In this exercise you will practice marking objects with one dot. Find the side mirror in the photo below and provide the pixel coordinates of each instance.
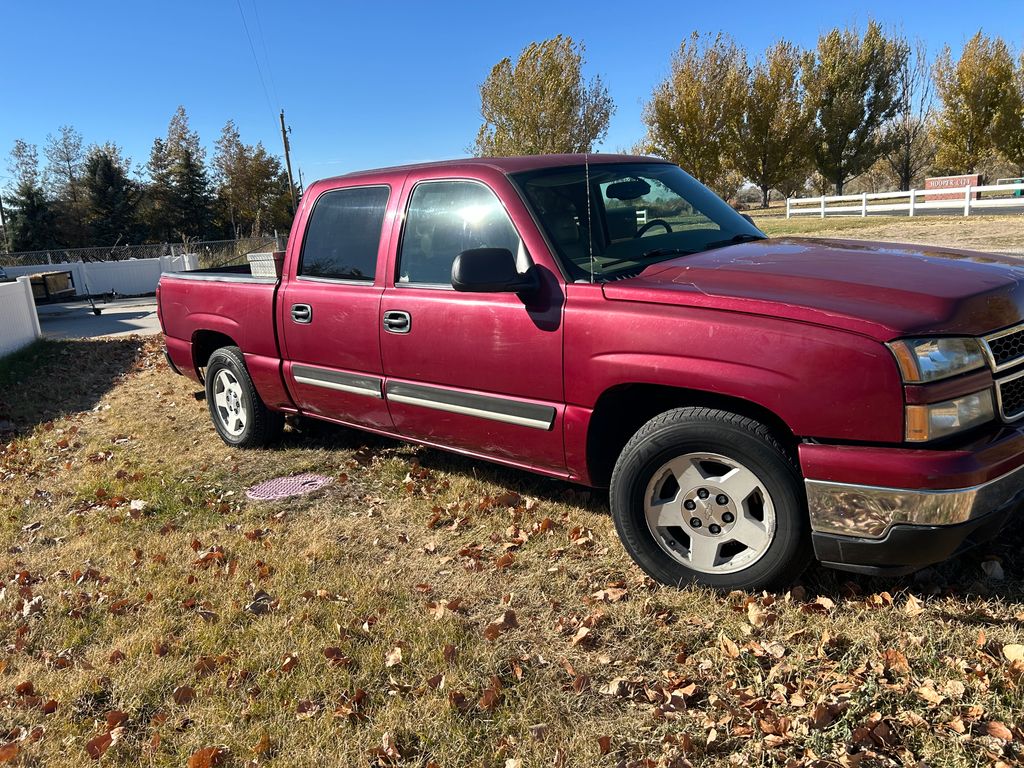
(491, 270)
(749, 218)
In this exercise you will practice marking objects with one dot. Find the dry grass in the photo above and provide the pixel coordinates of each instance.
(106, 609)
(983, 233)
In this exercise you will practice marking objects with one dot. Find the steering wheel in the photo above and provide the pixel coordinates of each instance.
(652, 223)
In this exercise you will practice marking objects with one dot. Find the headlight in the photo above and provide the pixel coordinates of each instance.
(928, 422)
(924, 360)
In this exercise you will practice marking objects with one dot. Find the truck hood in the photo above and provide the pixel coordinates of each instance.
(884, 290)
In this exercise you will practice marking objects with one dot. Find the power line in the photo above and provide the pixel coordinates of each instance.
(255, 58)
(266, 52)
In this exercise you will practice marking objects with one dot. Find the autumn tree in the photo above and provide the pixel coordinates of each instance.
(65, 158)
(252, 187)
(977, 94)
(851, 83)
(693, 115)
(1009, 126)
(909, 149)
(772, 147)
(541, 104)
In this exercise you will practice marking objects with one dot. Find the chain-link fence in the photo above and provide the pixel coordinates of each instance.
(212, 253)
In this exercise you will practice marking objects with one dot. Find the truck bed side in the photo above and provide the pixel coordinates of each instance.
(198, 310)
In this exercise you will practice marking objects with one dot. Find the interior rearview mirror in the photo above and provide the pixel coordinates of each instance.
(491, 270)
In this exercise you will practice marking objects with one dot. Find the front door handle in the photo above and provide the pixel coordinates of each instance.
(397, 321)
(302, 313)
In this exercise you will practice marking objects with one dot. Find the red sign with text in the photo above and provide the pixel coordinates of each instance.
(953, 182)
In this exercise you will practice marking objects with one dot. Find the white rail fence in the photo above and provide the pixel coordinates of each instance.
(19, 323)
(131, 277)
(966, 199)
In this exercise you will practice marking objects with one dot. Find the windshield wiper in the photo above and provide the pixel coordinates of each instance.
(654, 253)
(743, 237)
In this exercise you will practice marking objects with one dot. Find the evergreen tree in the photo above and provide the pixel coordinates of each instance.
(178, 201)
(191, 202)
(111, 198)
(32, 221)
(65, 161)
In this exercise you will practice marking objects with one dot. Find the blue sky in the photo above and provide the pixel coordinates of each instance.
(366, 84)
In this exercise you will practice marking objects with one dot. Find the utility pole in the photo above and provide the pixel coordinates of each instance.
(288, 161)
(3, 225)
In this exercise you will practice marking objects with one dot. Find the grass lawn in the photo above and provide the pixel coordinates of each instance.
(428, 610)
(992, 233)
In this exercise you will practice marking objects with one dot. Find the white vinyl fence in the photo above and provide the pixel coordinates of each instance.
(965, 199)
(131, 277)
(19, 323)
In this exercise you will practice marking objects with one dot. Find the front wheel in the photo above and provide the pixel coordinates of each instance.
(703, 496)
(241, 418)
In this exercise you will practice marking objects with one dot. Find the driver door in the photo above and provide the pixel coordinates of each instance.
(479, 372)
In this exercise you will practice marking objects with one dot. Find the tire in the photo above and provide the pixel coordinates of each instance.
(239, 415)
(707, 497)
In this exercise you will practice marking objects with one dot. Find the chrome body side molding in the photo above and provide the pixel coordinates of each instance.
(469, 404)
(354, 383)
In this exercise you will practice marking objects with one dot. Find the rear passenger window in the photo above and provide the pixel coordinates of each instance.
(446, 218)
(343, 235)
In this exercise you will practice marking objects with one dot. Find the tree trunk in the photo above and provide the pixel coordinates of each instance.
(839, 185)
(765, 191)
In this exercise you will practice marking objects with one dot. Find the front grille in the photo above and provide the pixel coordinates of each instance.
(1006, 347)
(1011, 397)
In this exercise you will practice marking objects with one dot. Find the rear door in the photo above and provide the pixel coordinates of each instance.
(481, 372)
(329, 308)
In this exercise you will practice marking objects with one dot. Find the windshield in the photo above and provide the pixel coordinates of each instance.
(642, 213)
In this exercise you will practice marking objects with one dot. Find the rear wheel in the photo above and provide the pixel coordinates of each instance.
(241, 418)
(703, 496)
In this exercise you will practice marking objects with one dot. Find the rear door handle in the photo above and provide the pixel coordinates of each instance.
(397, 321)
(302, 313)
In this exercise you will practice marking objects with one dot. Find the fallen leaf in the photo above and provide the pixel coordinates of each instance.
(491, 697)
(729, 647)
(183, 694)
(394, 657)
(97, 747)
(604, 744)
(913, 606)
(998, 730)
(1013, 652)
(208, 757)
(9, 751)
(263, 746)
(337, 657)
(503, 623)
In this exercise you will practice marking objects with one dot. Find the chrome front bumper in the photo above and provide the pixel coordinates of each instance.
(869, 512)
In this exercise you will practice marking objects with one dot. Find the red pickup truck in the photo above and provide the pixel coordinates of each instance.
(750, 402)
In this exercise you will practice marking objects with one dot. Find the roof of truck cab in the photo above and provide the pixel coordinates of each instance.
(509, 164)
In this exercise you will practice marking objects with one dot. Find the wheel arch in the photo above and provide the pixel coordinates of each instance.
(204, 343)
(622, 409)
